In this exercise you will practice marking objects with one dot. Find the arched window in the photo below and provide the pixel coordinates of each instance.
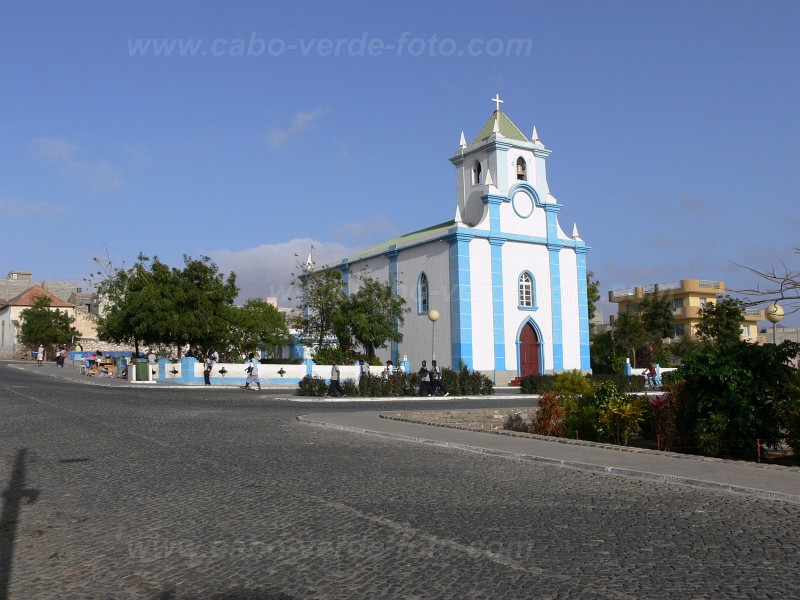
(522, 169)
(477, 176)
(423, 299)
(527, 294)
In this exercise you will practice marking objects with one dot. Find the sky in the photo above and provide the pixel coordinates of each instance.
(249, 131)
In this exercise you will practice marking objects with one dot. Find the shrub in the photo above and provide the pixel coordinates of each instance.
(625, 383)
(618, 413)
(312, 386)
(472, 383)
(549, 419)
(790, 411)
(659, 422)
(711, 433)
(572, 383)
(580, 418)
(537, 384)
(325, 355)
(734, 394)
(670, 378)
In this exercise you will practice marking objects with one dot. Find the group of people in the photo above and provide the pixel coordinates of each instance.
(61, 355)
(430, 378)
(251, 368)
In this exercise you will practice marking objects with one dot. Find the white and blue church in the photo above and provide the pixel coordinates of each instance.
(501, 288)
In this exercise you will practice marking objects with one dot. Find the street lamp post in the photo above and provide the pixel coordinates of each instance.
(433, 315)
(774, 314)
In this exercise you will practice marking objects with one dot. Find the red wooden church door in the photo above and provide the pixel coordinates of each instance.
(528, 351)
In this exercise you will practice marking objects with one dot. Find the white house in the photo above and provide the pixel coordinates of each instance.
(11, 319)
(508, 283)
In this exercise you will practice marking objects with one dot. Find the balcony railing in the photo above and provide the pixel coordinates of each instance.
(707, 283)
(624, 293)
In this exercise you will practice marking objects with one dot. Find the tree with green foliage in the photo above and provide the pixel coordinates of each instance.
(43, 325)
(322, 298)
(592, 293)
(721, 322)
(374, 314)
(735, 393)
(204, 299)
(629, 334)
(155, 304)
(657, 319)
(604, 357)
(258, 326)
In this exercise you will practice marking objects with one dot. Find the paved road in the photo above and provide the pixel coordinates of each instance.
(163, 493)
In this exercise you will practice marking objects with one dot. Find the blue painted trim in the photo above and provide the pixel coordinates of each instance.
(527, 188)
(541, 344)
(498, 306)
(460, 300)
(394, 278)
(482, 233)
(583, 309)
(345, 269)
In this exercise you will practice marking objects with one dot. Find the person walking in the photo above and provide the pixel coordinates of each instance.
(436, 379)
(40, 355)
(336, 385)
(424, 379)
(210, 362)
(252, 372)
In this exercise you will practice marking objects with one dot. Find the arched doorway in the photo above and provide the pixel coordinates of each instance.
(528, 351)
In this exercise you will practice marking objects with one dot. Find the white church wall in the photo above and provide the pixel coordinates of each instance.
(569, 309)
(522, 216)
(482, 310)
(535, 259)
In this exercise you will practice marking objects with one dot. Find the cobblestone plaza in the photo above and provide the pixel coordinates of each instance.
(159, 493)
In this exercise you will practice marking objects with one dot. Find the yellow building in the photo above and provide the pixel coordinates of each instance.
(687, 296)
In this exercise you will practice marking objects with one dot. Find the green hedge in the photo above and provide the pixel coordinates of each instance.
(624, 383)
(540, 384)
(671, 378)
(459, 383)
(537, 384)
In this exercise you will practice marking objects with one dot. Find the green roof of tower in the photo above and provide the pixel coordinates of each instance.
(507, 128)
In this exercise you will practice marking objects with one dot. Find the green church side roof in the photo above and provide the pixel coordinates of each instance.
(408, 239)
(507, 128)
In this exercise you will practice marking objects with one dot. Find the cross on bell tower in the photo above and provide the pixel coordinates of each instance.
(497, 101)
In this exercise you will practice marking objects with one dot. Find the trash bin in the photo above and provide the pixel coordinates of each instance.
(142, 369)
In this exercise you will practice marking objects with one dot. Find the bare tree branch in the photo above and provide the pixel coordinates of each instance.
(781, 286)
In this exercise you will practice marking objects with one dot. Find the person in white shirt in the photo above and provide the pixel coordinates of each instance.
(252, 372)
(436, 379)
(335, 386)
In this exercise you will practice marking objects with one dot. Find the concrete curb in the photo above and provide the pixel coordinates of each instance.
(579, 466)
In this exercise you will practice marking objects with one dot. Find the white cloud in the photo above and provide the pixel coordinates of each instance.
(17, 208)
(300, 122)
(370, 231)
(100, 176)
(266, 271)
